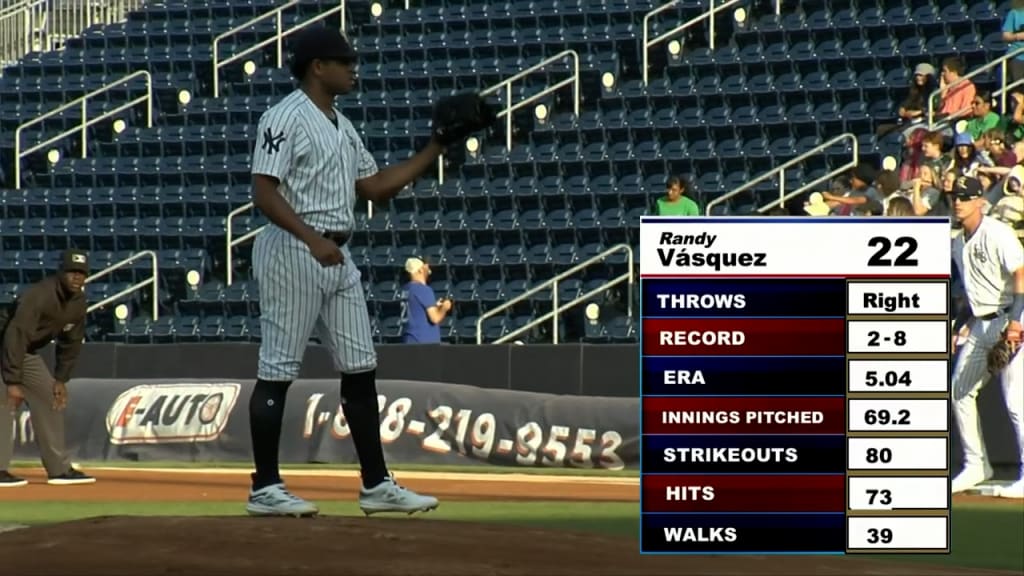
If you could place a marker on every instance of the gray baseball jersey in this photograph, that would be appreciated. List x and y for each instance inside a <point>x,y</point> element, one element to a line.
<point>987,262</point>
<point>317,161</point>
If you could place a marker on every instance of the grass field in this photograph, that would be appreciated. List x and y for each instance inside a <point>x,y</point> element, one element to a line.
<point>985,535</point>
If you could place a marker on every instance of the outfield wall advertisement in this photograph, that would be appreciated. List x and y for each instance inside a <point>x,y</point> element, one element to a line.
<point>421,422</point>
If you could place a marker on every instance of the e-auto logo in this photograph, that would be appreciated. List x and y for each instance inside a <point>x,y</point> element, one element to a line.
<point>169,413</point>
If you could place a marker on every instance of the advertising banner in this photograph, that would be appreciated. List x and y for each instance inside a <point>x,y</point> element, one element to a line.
<point>421,422</point>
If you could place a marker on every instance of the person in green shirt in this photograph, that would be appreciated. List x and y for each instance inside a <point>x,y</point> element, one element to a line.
<point>675,202</point>
<point>983,117</point>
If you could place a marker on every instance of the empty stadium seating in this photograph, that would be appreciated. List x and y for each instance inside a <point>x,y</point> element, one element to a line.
<point>501,220</point>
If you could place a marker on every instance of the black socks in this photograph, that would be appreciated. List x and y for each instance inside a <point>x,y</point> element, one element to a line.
<point>266,411</point>
<point>359,404</point>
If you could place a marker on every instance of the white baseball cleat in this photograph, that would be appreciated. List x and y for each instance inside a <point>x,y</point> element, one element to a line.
<point>1015,490</point>
<point>388,496</point>
<point>969,478</point>
<point>276,500</point>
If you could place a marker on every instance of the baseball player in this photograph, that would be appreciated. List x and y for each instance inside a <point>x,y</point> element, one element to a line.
<point>51,309</point>
<point>990,260</point>
<point>309,168</point>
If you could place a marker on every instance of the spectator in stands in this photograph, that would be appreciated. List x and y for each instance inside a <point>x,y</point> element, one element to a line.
<point>923,192</point>
<point>931,150</point>
<point>861,191</point>
<point>887,183</point>
<point>1013,33</point>
<point>966,158</point>
<point>869,208</point>
<point>899,206</point>
<point>983,118</point>
<point>925,149</point>
<point>424,310</point>
<point>1002,158</point>
<point>957,95</point>
<point>943,205</point>
<point>675,202</point>
<point>1015,118</point>
<point>915,104</point>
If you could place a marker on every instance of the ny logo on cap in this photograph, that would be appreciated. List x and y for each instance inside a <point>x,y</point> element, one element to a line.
<point>78,258</point>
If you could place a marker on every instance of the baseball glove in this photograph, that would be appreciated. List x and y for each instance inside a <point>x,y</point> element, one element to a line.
<point>1000,355</point>
<point>458,116</point>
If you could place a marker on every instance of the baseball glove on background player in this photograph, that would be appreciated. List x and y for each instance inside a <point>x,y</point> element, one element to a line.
<point>1001,354</point>
<point>456,117</point>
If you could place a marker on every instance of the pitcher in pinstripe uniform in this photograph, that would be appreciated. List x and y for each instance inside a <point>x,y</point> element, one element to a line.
<point>309,167</point>
<point>990,259</point>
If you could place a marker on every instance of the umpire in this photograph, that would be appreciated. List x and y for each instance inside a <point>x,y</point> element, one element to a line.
<point>52,309</point>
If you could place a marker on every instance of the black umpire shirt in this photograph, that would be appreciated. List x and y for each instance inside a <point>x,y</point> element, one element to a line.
<point>43,313</point>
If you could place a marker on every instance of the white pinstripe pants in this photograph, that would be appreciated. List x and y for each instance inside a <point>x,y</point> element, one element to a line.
<point>297,296</point>
<point>970,374</point>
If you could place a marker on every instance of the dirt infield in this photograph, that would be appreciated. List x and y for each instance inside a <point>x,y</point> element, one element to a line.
<point>355,545</point>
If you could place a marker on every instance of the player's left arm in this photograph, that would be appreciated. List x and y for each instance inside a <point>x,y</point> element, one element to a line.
<point>1012,258</point>
<point>67,347</point>
<point>380,186</point>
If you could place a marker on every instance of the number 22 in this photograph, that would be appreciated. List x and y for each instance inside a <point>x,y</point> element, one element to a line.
<point>884,245</point>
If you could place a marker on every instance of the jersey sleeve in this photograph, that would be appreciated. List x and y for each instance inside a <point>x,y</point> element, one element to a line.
<point>1011,252</point>
<point>276,138</point>
<point>367,164</point>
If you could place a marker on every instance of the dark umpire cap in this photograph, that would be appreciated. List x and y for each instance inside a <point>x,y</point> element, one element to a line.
<point>968,188</point>
<point>75,261</point>
<point>320,43</point>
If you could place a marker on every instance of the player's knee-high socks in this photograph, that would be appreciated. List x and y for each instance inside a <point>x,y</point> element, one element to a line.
<point>266,411</point>
<point>359,404</point>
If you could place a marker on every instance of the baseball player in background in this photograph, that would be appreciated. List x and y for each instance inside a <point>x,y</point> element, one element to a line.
<point>309,167</point>
<point>51,310</point>
<point>990,260</point>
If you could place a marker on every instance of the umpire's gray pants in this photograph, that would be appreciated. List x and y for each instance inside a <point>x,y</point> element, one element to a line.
<point>47,423</point>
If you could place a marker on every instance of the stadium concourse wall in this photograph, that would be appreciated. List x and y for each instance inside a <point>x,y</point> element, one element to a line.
<point>568,405</point>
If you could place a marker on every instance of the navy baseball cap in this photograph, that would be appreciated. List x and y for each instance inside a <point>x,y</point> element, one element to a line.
<point>967,188</point>
<point>320,43</point>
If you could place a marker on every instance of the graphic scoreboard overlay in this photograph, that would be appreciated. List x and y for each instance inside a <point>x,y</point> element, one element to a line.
<point>795,378</point>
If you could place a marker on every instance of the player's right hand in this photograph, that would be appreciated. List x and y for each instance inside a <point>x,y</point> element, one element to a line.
<point>326,252</point>
<point>15,396</point>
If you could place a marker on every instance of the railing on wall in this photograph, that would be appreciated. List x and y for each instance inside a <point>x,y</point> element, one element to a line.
<point>1003,62</point>
<point>232,242</point>
<point>42,25</point>
<point>810,186</point>
<point>511,107</point>
<point>649,42</point>
<point>557,307</point>
<point>781,170</point>
<point>277,38</point>
<point>153,281</point>
<point>83,127</point>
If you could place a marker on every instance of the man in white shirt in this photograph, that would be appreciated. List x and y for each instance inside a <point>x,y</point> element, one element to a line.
<point>990,259</point>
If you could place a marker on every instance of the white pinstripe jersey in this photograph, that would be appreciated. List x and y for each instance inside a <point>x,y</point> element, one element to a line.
<point>316,161</point>
<point>987,261</point>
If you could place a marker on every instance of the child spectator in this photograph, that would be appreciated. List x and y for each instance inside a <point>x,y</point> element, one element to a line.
<point>675,202</point>
<point>899,206</point>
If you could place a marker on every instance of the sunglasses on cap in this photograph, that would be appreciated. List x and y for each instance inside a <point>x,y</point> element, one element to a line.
<point>964,197</point>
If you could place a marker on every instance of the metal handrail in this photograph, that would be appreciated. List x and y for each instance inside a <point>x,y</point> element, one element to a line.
<point>781,170</point>
<point>510,107</point>
<point>18,29</point>
<point>83,102</point>
<point>153,280</point>
<point>232,242</point>
<point>277,37</point>
<point>1002,62</point>
<point>712,10</point>
<point>50,23</point>
<point>556,308</point>
<point>813,183</point>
